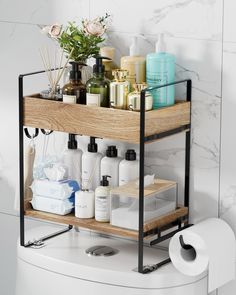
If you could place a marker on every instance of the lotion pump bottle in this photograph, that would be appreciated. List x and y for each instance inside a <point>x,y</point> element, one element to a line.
<point>98,86</point>
<point>129,168</point>
<point>75,90</point>
<point>134,64</point>
<point>110,165</point>
<point>91,163</point>
<point>102,200</point>
<point>72,158</point>
<point>161,70</point>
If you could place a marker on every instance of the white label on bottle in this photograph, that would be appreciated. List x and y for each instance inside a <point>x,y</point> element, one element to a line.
<point>69,98</point>
<point>102,208</point>
<point>93,99</point>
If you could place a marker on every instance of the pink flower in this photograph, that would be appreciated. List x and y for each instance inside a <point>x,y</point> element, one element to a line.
<point>55,31</point>
<point>94,27</point>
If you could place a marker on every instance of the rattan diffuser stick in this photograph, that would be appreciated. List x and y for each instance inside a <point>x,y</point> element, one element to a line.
<point>48,61</point>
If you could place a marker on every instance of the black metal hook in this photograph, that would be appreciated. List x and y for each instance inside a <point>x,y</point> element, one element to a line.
<point>183,245</point>
<point>36,133</point>
<point>46,132</point>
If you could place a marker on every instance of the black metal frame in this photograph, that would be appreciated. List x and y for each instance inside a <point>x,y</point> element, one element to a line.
<point>143,139</point>
<point>146,139</point>
<point>21,165</point>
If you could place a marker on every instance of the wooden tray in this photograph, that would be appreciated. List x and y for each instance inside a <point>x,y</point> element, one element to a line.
<point>100,122</point>
<point>106,228</point>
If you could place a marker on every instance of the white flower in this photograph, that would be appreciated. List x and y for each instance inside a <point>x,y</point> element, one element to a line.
<point>94,27</point>
<point>55,31</point>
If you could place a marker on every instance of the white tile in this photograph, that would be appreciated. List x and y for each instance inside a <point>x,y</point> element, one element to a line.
<point>228,141</point>
<point>16,57</point>
<point>44,11</point>
<point>182,18</point>
<point>199,60</point>
<point>229,21</point>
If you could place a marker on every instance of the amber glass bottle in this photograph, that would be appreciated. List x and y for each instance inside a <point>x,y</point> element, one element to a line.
<point>75,90</point>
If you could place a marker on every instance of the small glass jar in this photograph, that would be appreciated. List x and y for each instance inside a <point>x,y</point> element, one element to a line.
<point>52,94</point>
<point>134,98</point>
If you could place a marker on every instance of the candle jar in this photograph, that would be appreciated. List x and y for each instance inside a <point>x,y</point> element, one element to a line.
<point>134,98</point>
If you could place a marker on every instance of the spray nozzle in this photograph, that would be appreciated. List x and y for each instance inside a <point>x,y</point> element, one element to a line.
<point>105,181</point>
<point>99,67</point>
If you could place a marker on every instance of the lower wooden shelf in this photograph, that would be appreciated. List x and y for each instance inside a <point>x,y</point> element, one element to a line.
<point>106,228</point>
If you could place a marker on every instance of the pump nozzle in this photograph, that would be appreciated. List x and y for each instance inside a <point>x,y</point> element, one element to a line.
<point>160,44</point>
<point>92,146</point>
<point>75,73</point>
<point>99,67</point>
<point>104,181</point>
<point>72,142</point>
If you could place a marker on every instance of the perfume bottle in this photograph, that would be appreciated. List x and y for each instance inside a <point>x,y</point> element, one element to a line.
<point>75,90</point>
<point>119,89</point>
<point>98,86</point>
<point>134,98</point>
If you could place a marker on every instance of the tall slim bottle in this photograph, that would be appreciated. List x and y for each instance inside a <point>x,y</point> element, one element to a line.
<point>72,158</point>
<point>161,70</point>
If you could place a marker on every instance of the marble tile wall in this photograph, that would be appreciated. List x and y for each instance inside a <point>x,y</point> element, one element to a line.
<point>201,33</point>
<point>228,120</point>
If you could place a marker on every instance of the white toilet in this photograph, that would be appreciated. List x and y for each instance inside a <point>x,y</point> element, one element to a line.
<point>63,266</point>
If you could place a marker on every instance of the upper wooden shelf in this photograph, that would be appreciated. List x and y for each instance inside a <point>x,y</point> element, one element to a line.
<point>132,190</point>
<point>100,122</point>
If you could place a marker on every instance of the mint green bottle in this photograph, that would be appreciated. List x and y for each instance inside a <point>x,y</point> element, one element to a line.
<point>98,87</point>
<point>160,69</point>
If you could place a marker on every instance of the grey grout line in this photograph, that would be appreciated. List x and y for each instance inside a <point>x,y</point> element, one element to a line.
<point>9,214</point>
<point>20,23</point>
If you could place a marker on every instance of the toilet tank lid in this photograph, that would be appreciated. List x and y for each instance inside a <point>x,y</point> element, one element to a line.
<point>66,254</point>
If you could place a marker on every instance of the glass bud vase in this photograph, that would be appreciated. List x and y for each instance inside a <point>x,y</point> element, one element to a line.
<point>86,73</point>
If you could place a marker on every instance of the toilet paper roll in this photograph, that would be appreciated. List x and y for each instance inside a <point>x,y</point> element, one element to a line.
<point>209,245</point>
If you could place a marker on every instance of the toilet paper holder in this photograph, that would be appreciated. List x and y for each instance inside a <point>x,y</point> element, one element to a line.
<point>183,245</point>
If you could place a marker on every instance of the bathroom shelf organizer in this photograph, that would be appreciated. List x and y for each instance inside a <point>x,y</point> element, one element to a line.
<point>133,127</point>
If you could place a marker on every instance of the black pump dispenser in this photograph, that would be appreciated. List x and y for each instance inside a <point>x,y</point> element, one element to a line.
<point>111,151</point>
<point>92,146</point>
<point>130,155</point>
<point>104,181</point>
<point>75,73</point>
<point>72,142</point>
<point>99,67</point>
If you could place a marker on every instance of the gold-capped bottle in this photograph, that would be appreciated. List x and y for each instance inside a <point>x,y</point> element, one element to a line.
<point>134,98</point>
<point>119,89</point>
